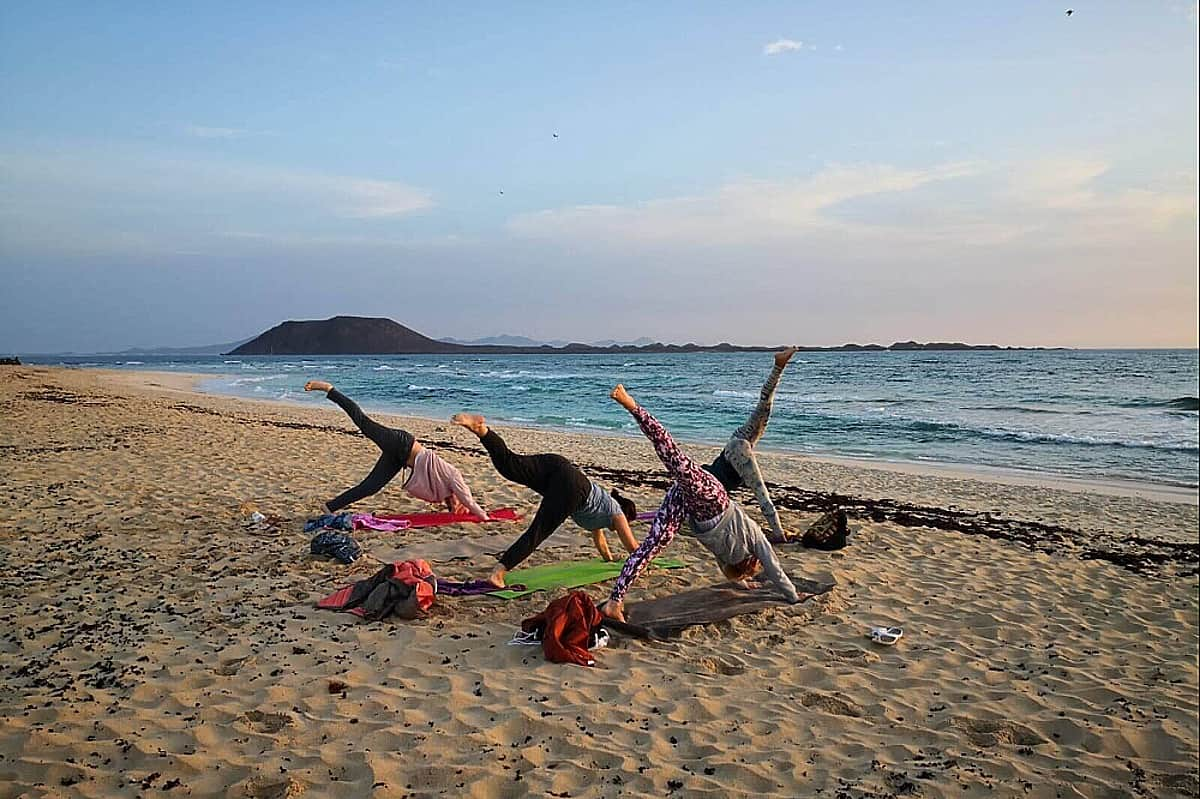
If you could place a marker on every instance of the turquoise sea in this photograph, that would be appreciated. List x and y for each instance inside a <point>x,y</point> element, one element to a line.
<point>1081,413</point>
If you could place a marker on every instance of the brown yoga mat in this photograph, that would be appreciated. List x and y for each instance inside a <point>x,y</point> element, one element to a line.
<point>668,616</point>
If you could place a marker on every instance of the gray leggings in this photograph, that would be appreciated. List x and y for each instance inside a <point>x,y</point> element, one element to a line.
<point>740,452</point>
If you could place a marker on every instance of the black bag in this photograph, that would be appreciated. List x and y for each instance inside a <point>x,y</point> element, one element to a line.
<point>829,532</point>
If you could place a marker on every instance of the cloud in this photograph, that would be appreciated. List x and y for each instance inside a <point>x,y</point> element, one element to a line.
<point>1051,202</point>
<point>162,203</point>
<point>782,46</point>
<point>739,212</point>
<point>207,132</point>
<point>965,234</point>
<point>370,199</point>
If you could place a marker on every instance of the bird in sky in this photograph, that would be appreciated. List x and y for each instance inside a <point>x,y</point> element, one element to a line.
<point>1070,11</point>
<point>555,135</point>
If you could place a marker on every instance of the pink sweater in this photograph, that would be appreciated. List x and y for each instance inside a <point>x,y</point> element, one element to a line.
<point>434,480</point>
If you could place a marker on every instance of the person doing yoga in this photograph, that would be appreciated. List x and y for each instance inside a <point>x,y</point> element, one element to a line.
<point>738,544</point>
<point>736,465</point>
<point>430,478</point>
<point>566,492</point>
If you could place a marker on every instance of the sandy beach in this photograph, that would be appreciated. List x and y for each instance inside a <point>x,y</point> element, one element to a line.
<point>153,645</point>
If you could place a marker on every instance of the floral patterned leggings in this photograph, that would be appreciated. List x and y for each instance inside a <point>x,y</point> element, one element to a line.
<point>695,494</point>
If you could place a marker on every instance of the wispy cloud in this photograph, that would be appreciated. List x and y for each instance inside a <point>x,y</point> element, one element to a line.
<point>780,46</point>
<point>743,211</point>
<point>885,209</point>
<point>163,201</point>
<point>209,132</point>
<point>375,199</point>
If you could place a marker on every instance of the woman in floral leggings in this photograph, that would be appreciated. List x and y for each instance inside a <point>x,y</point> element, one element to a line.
<point>720,525</point>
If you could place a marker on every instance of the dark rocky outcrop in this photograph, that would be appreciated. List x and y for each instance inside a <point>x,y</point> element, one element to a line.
<point>345,335</point>
<point>941,345</point>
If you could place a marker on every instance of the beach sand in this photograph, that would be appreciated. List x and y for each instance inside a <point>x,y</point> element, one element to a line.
<point>152,645</point>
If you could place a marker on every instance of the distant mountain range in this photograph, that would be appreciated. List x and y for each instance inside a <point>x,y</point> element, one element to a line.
<point>505,340</point>
<point>357,335</point>
<point>211,349</point>
<point>208,349</point>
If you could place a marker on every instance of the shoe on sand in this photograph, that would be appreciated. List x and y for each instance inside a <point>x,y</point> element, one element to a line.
<point>887,636</point>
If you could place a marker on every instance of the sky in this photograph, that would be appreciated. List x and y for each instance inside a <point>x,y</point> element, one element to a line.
<point>760,173</point>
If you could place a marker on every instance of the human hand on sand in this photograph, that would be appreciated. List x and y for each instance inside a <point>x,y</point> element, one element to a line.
<point>318,385</point>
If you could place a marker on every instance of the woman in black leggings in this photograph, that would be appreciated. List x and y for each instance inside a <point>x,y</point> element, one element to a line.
<point>566,492</point>
<point>430,478</point>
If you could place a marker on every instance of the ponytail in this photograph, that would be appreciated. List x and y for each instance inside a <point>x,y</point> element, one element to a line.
<point>627,506</point>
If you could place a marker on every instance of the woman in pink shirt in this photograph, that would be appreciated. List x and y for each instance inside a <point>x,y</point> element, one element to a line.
<point>431,478</point>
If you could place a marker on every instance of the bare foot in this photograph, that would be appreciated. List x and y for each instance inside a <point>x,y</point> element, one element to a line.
<point>782,358</point>
<point>472,421</point>
<point>318,385</point>
<point>496,578</point>
<point>613,610</point>
<point>748,584</point>
<point>622,397</point>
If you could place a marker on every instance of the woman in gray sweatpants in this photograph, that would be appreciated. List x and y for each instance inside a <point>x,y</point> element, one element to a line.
<point>736,465</point>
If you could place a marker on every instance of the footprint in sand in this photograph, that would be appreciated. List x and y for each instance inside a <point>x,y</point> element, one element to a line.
<point>268,722</point>
<point>719,666</point>
<point>272,789</point>
<point>232,667</point>
<point>987,733</point>
<point>831,704</point>
<point>1183,784</point>
<point>857,655</point>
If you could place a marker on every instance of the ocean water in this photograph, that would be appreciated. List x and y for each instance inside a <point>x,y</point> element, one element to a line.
<point>1087,414</point>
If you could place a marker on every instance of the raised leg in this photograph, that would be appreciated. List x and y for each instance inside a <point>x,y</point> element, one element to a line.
<point>527,470</point>
<point>703,495</point>
<point>756,425</point>
<point>397,443</point>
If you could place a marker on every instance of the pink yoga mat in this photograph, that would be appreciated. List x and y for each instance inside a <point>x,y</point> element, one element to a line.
<point>437,519</point>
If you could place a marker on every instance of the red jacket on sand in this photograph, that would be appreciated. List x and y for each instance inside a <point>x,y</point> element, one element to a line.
<point>403,589</point>
<point>566,626</point>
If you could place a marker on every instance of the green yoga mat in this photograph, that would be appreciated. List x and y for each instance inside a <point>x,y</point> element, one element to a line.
<point>571,574</point>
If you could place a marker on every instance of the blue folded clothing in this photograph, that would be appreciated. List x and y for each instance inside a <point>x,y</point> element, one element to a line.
<point>335,545</point>
<point>340,521</point>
